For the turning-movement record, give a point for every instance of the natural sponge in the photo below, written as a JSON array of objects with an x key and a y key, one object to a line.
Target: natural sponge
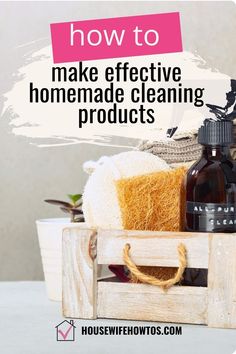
[
  {"x": 151, "y": 201},
  {"x": 100, "y": 201}
]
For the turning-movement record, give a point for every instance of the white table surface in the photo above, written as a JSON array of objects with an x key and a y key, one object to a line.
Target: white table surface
[{"x": 28, "y": 318}]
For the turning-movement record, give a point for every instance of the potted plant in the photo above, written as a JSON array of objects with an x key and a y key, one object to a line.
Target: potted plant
[{"x": 50, "y": 241}]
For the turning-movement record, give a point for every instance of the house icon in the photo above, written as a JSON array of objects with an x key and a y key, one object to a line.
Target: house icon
[{"x": 65, "y": 331}]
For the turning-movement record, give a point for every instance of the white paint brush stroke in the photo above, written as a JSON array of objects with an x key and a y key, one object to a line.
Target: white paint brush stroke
[{"x": 60, "y": 121}]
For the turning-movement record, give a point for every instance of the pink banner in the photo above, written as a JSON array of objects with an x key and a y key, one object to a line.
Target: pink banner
[{"x": 116, "y": 37}]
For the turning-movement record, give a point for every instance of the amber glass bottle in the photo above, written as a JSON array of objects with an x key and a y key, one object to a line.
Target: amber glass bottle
[
  {"x": 208, "y": 195},
  {"x": 209, "y": 190}
]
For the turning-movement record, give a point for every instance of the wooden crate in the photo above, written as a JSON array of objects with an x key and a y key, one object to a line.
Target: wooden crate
[{"x": 86, "y": 297}]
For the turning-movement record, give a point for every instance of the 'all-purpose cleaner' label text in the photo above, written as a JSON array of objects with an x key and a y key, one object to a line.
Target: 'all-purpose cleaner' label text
[{"x": 212, "y": 216}]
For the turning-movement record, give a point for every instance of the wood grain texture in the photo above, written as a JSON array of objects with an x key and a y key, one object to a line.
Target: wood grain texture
[
  {"x": 222, "y": 281},
  {"x": 149, "y": 303},
  {"x": 84, "y": 297},
  {"x": 152, "y": 248},
  {"x": 79, "y": 276}
]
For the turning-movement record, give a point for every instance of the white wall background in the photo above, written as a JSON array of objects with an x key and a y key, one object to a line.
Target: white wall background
[{"x": 29, "y": 174}]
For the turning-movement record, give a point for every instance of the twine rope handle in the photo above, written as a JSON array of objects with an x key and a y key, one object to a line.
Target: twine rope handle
[{"x": 149, "y": 279}]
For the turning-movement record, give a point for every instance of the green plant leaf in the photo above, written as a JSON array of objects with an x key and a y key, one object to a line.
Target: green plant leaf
[
  {"x": 66, "y": 210},
  {"x": 76, "y": 211},
  {"x": 78, "y": 204},
  {"x": 58, "y": 202},
  {"x": 74, "y": 197}
]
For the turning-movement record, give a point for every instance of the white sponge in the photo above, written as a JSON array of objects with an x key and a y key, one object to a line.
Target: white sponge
[{"x": 100, "y": 202}]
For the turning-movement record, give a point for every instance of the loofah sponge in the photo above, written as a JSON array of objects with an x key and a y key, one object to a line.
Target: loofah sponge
[
  {"x": 152, "y": 201},
  {"x": 100, "y": 201},
  {"x": 133, "y": 190}
]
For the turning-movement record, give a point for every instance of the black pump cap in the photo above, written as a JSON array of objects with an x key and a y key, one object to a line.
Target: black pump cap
[{"x": 219, "y": 132}]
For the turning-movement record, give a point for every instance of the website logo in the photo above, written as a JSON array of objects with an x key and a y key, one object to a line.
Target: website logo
[{"x": 65, "y": 331}]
